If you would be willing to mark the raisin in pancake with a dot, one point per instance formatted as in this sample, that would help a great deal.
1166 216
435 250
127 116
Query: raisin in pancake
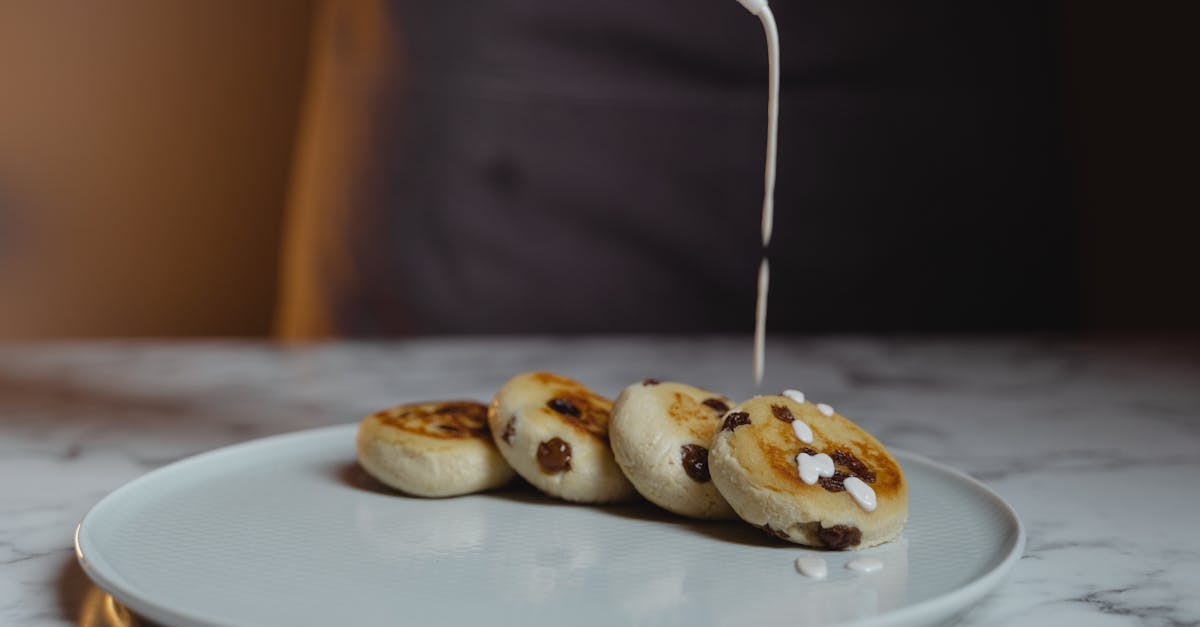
554 432
753 461
660 434
432 449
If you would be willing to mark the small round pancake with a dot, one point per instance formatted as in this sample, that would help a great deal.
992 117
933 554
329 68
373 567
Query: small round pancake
432 449
660 434
753 462
554 432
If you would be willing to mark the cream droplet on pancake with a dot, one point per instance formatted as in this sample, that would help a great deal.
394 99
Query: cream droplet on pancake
825 409
862 493
802 431
795 395
813 467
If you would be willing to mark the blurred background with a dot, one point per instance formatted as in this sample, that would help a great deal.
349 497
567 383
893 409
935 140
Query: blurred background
192 168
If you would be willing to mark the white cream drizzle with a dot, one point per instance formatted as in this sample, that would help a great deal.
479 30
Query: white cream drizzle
865 565
772 34
760 9
802 431
814 466
861 492
760 322
795 395
812 567
825 409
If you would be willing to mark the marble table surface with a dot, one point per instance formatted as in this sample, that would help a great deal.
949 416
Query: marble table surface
1095 443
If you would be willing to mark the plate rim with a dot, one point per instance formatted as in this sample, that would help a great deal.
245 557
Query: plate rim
963 597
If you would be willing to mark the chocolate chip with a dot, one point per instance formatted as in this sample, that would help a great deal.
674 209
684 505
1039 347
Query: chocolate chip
835 483
510 430
564 406
554 456
650 381
840 536
735 420
809 450
719 405
859 469
782 412
695 462
775 533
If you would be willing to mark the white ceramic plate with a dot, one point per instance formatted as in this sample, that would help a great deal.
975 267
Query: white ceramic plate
288 531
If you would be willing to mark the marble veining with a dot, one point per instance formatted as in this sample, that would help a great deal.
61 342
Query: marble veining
1094 443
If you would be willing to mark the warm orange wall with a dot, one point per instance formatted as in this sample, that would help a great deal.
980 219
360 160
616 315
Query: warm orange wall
145 148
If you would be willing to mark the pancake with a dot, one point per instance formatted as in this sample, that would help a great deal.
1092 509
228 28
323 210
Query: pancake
432 449
754 464
660 433
554 432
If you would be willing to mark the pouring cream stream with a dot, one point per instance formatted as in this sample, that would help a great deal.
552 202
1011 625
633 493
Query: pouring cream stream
760 9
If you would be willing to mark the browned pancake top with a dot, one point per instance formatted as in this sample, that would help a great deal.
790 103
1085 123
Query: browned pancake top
699 418
778 446
887 473
574 404
443 420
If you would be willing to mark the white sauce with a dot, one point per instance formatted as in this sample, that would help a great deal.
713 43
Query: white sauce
861 492
760 323
795 395
812 567
768 211
760 8
863 565
825 409
802 430
815 466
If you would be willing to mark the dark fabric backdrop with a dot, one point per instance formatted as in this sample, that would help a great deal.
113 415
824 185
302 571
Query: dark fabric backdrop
552 166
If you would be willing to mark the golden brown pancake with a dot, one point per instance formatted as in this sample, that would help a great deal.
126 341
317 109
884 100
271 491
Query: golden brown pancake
440 448
554 432
661 433
753 462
